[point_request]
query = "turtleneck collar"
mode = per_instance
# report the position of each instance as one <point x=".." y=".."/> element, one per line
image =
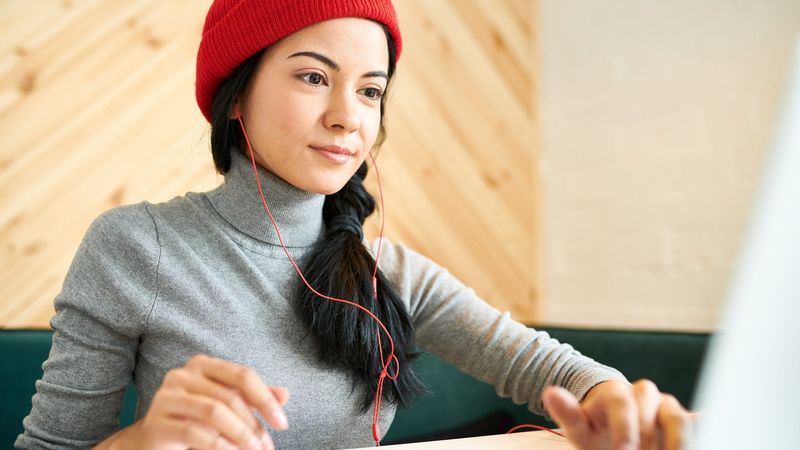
<point x="297" y="212"/>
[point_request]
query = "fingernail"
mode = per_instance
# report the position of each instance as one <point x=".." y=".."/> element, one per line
<point x="279" y="418"/>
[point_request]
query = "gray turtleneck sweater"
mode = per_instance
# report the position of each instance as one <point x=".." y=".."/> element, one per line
<point x="154" y="284"/>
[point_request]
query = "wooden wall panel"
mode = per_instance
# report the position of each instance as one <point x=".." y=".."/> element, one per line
<point x="97" y="110"/>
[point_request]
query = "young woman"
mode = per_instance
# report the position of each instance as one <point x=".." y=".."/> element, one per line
<point x="218" y="305"/>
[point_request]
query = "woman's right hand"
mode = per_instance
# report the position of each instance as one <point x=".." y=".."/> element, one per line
<point x="209" y="404"/>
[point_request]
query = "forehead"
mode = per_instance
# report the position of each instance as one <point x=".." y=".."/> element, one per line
<point x="350" y="41"/>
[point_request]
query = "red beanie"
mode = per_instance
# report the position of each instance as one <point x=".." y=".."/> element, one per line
<point x="236" y="29"/>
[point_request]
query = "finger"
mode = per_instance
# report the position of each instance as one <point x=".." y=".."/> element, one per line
<point x="249" y="384"/>
<point x="193" y="434"/>
<point x="623" y="420"/>
<point x="190" y="382"/>
<point x="281" y="394"/>
<point x="565" y="410"/>
<point x="211" y="413"/>
<point x="220" y="439"/>
<point x="674" y="421"/>
<point x="648" y="399"/>
<point x="266" y="439"/>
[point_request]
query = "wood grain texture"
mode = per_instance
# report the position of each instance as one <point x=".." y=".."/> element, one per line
<point x="97" y="110"/>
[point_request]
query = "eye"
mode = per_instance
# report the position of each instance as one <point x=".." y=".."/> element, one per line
<point x="313" y="78"/>
<point x="372" y="93"/>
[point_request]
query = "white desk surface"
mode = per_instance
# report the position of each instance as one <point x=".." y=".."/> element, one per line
<point x="527" y="440"/>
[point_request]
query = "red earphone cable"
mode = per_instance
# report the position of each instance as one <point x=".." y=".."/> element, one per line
<point x="385" y="363"/>
<point x="538" y="427"/>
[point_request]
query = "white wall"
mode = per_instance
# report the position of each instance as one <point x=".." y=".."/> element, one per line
<point x="654" y="120"/>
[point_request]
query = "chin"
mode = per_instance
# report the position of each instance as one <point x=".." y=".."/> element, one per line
<point x="325" y="188"/>
<point x="331" y="191"/>
<point x="325" y="182"/>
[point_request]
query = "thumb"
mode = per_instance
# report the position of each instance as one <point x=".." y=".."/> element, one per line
<point x="565" y="410"/>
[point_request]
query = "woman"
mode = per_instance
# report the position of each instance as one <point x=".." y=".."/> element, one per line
<point x="220" y="304"/>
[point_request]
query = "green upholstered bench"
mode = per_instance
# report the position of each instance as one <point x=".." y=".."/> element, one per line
<point x="22" y="353"/>
<point x="461" y="406"/>
<point x="458" y="405"/>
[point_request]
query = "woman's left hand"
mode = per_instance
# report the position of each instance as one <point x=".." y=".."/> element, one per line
<point x="617" y="416"/>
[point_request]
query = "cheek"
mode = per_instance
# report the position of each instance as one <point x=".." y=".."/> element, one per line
<point x="370" y="128"/>
<point x="282" y="119"/>
<point x="290" y="116"/>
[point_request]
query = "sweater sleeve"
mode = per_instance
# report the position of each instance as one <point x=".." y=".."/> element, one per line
<point x="100" y="313"/>
<point x="452" y="322"/>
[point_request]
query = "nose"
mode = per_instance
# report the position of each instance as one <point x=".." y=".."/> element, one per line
<point x="342" y="112"/>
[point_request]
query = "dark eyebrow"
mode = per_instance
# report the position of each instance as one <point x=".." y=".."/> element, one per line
<point x="330" y="63"/>
<point x="377" y="73"/>
<point x="321" y="58"/>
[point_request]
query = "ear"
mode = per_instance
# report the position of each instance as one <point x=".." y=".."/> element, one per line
<point x="235" y="112"/>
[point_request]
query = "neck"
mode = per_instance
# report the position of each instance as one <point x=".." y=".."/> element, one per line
<point x="298" y="213"/>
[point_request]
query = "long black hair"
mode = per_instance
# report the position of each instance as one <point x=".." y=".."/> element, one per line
<point x="338" y="266"/>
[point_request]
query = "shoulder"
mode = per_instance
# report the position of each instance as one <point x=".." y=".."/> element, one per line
<point x="132" y="223"/>
<point x="141" y="221"/>
<point x="113" y="276"/>
<point x="191" y="211"/>
<point x="125" y="235"/>
<point x="403" y="264"/>
<point x="419" y="280"/>
<point x="390" y="254"/>
<point x="397" y="252"/>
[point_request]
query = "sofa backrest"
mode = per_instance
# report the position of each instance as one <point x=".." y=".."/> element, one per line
<point x="458" y="405"/>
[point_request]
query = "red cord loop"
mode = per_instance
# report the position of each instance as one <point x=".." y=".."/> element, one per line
<point x="392" y="357"/>
<point x="538" y="427"/>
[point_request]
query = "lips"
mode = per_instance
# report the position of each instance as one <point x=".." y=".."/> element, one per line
<point x="334" y="149"/>
<point x="337" y="155"/>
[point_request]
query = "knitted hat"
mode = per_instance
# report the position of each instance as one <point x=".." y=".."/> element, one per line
<point x="237" y="29"/>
